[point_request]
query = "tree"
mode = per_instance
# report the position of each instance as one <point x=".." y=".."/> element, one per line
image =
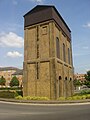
<point x="87" y="77"/>
<point x="2" y="81"/>
<point x="77" y="83"/>
<point x="14" y="81"/>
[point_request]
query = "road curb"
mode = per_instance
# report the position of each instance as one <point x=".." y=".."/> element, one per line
<point x="46" y="102"/>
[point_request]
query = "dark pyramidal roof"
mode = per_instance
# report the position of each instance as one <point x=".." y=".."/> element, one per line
<point x="42" y="13"/>
<point x="18" y="72"/>
<point x="38" y="8"/>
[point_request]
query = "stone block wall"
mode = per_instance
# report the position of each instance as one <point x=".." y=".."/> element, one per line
<point x="44" y="73"/>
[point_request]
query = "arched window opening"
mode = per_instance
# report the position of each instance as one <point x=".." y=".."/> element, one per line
<point x="65" y="78"/>
<point x="60" y="77"/>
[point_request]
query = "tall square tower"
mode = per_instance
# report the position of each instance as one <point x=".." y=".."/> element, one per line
<point x="48" y="67"/>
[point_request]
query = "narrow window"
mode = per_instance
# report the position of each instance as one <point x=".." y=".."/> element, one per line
<point x="37" y="33"/>
<point x="57" y="48"/>
<point x="37" y="51"/>
<point x="68" y="55"/>
<point x="37" y="41"/>
<point x="37" y="71"/>
<point x="70" y="79"/>
<point x="64" y="55"/>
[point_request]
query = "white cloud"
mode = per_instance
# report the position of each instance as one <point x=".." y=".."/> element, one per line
<point x="14" y="54"/>
<point x="11" y="40"/>
<point x="38" y="1"/>
<point x="87" y="25"/>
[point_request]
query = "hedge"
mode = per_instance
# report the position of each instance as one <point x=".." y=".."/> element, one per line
<point x="75" y="97"/>
<point x="31" y="98"/>
<point x="11" y="88"/>
<point x="10" y="94"/>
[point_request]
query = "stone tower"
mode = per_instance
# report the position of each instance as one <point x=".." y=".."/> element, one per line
<point x="48" y="68"/>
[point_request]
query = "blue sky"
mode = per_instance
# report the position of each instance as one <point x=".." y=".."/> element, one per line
<point x="76" y="13"/>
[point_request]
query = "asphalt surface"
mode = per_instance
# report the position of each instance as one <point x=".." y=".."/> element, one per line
<point x="11" y="111"/>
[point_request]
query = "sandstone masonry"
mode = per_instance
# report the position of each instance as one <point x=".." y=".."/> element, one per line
<point x="48" y="67"/>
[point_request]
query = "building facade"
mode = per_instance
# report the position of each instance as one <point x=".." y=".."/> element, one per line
<point x="80" y="77"/>
<point x="48" y="67"/>
<point x="9" y="72"/>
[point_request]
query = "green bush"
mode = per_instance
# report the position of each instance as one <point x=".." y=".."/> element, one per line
<point x="10" y="94"/>
<point x="31" y="98"/>
<point x="14" y="81"/>
<point x="61" y="98"/>
<point x="37" y="98"/>
<point x="69" y="98"/>
<point x="88" y="96"/>
<point x="7" y="94"/>
<point x="84" y="97"/>
<point x="84" y="92"/>
<point x="2" y="81"/>
<point x="19" y="97"/>
<point x="19" y="92"/>
<point x="77" y="97"/>
<point x="11" y="88"/>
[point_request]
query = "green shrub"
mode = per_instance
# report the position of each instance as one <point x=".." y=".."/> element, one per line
<point x="77" y="97"/>
<point x="7" y="94"/>
<point x="41" y="98"/>
<point x="84" y="92"/>
<point x="14" y="81"/>
<point x="19" y="92"/>
<point x="2" y="81"/>
<point x="10" y="93"/>
<point x="11" y="88"/>
<point x="74" y="97"/>
<point x="88" y="96"/>
<point x="61" y="98"/>
<point x="18" y="97"/>
<point x="24" y="98"/>
<point x="69" y="98"/>
<point x="27" y="98"/>
<point x="16" y="94"/>
<point x="84" y="97"/>
<point x="32" y="98"/>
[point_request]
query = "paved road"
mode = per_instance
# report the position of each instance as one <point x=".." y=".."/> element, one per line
<point x="10" y="111"/>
